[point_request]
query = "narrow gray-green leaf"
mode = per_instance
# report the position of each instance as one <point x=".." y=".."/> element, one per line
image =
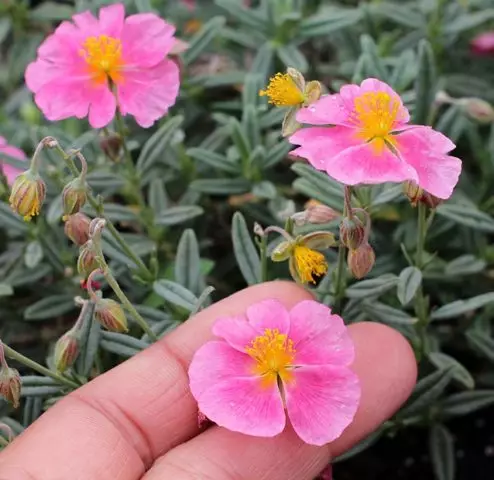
<point x="178" y="214"/>
<point x="158" y="199"/>
<point x="176" y="294"/>
<point x="373" y="287"/>
<point x="90" y="335"/>
<point x="460" y="373"/>
<point x="201" y="40"/>
<point x="467" y="402"/>
<point x="459" y="307"/>
<point x="425" y="84"/>
<point x="221" y="186"/>
<point x="245" y="251"/>
<point x="33" y="254"/>
<point x="188" y="262"/>
<point x="50" y="307"/>
<point x="442" y="452"/>
<point x="468" y="216"/>
<point x="408" y="283"/>
<point x="214" y="160"/>
<point x="482" y="343"/>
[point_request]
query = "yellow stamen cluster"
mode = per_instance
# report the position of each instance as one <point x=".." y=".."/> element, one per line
<point x="274" y="354"/>
<point x="103" y="54"/>
<point x="310" y="264"/>
<point x="375" y="114"/>
<point x="282" y="91"/>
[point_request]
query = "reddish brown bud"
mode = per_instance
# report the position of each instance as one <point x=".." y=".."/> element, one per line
<point x="77" y="228"/>
<point x="66" y="350"/>
<point x="74" y="196"/>
<point x="361" y="260"/>
<point x="352" y="233"/>
<point x="417" y="194"/>
<point x="86" y="263"/>
<point x="111" y="315"/>
<point x="10" y="385"/>
<point x="111" y="146"/>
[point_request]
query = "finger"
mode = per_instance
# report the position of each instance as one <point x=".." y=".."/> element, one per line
<point x="114" y="427"/>
<point x="386" y="367"/>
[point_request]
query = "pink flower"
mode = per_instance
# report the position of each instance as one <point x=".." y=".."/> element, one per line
<point x="9" y="171"/>
<point x="371" y="141"/>
<point x="77" y="65"/>
<point x="483" y="44"/>
<point x="269" y="360"/>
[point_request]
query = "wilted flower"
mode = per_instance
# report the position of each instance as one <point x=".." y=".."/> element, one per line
<point x="111" y="146"/>
<point x="74" y="196"/>
<point x="86" y="263"/>
<point x="66" y="350"/>
<point x="372" y="142"/>
<point x="290" y="90"/>
<point x="483" y="44"/>
<point x="361" y="260"/>
<point x="306" y="263"/>
<point x="10" y="381"/>
<point x="352" y="232"/>
<point x="111" y="315"/>
<point x="79" y="65"/>
<point x="77" y="228"/>
<point x="9" y="171"/>
<point x="28" y="194"/>
<point x="270" y="363"/>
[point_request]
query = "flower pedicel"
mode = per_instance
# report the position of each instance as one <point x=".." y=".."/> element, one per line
<point x="270" y="363"/>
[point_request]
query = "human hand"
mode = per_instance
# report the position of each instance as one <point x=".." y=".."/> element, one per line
<point x="139" y="420"/>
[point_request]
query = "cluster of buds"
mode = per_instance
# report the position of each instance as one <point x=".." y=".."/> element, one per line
<point x="10" y="381"/>
<point x="291" y="90"/>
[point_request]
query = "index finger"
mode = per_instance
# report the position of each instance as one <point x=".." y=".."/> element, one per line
<point x="114" y="427"/>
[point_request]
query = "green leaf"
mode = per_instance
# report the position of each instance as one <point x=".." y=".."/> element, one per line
<point x="381" y="312"/>
<point x="214" y="160"/>
<point x="33" y="407"/>
<point x="387" y="194"/>
<point x="6" y="290"/>
<point x="41" y="391"/>
<point x="376" y="66"/>
<point x="51" y="11"/>
<point x="240" y="139"/>
<point x="465" y="265"/>
<point x="121" y="344"/>
<point x="201" y="40"/>
<point x="263" y="61"/>
<point x="276" y="154"/>
<point x="401" y="14"/>
<point x="468" y="216"/>
<point x="158" y="199"/>
<point x="37" y="381"/>
<point x="176" y="294"/>
<point x="426" y="391"/>
<point x="221" y="186"/>
<point x="459" y="307"/>
<point x="90" y="335"/>
<point x="249" y="17"/>
<point x="360" y="447"/>
<point x="55" y="211"/>
<point x="482" y="343"/>
<point x="425" y="85"/>
<point x="373" y="287"/>
<point x="120" y="213"/>
<point x="154" y="149"/>
<point x="188" y="263"/>
<point x="33" y="254"/>
<point x="178" y="214"/>
<point x="245" y="251"/>
<point x="202" y="300"/>
<point x="331" y="20"/>
<point x="5" y="26"/>
<point x="409" y="282"/>
<point x="460" y="373"/>
<point x="467" y="402"/>
<point x="442" y="452"/>
<point x="50" y="307"/>
<point x="265" y="189"/>
<point x="10" y="221"/>
<point x="250" y="92"/>
<point x="291" y="56"/>
<point x="250" y="123"/>
<point x="469" y="21"/>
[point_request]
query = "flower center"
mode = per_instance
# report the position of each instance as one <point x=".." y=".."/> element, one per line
<point x="375" y="114"/>
<point x="310" y="264"/>
<point x="273" y="353"/>
<point x="103" y="55"/>
<point x="282" y="91"/>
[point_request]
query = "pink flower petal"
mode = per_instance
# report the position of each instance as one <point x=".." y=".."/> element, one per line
<point x="9" y="171"/>
<point x="269" y="314"/>
<point x="319" y="337"/>
<point x="424" y="149"/>
<point x="102" y="107"/>
<point x="362" y="164"/>
<point x="111" y="20"/>
<point x="328" y="110"/>
<point x="215" y="362"/>
<point x="320" y="144"/>
<point x="63" y="46"/>
<point x="146" y="40"/>
<point x="87" y="23"/>
<point x="148" y="93"/>
<point x="237" y="331"/>
<point x="321" y="402"/>
<point x="483" y="44"/>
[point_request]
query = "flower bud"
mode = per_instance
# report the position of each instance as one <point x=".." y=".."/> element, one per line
<point x="477" y="109"/>
<point x="86" y="263"/>
<point x="361" y="260"/>
<point x="352" y="233"/>
<point x="74" y="196"/>
<point x="111" y="146"/>
<point x="111" y="315"/>
<point x="28" y="194"/>
<point x="66" y="351"/>
<point x="77" y="228"/>
<point x="315" y="214"/>
<point x="417" y="194"/>
<point x="10" y="385"/>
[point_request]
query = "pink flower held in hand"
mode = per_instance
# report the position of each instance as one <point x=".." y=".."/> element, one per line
<point x="483" y="44"/>
<point x="371" y="141"/>
<point x="9" y="171"/>
<point x="77" y="66"/>
<point x="272" y="359"/>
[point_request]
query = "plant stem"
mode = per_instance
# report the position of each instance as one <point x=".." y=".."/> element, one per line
<point x="339" y="282"/>
<point x="421" y="231"/>
<point x="263" y="248"/>
<point x="14" y="355"/>
<point x="125" y="301"/>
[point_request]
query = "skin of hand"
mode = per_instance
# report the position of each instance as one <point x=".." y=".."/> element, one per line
<point x="139" y="420"/>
